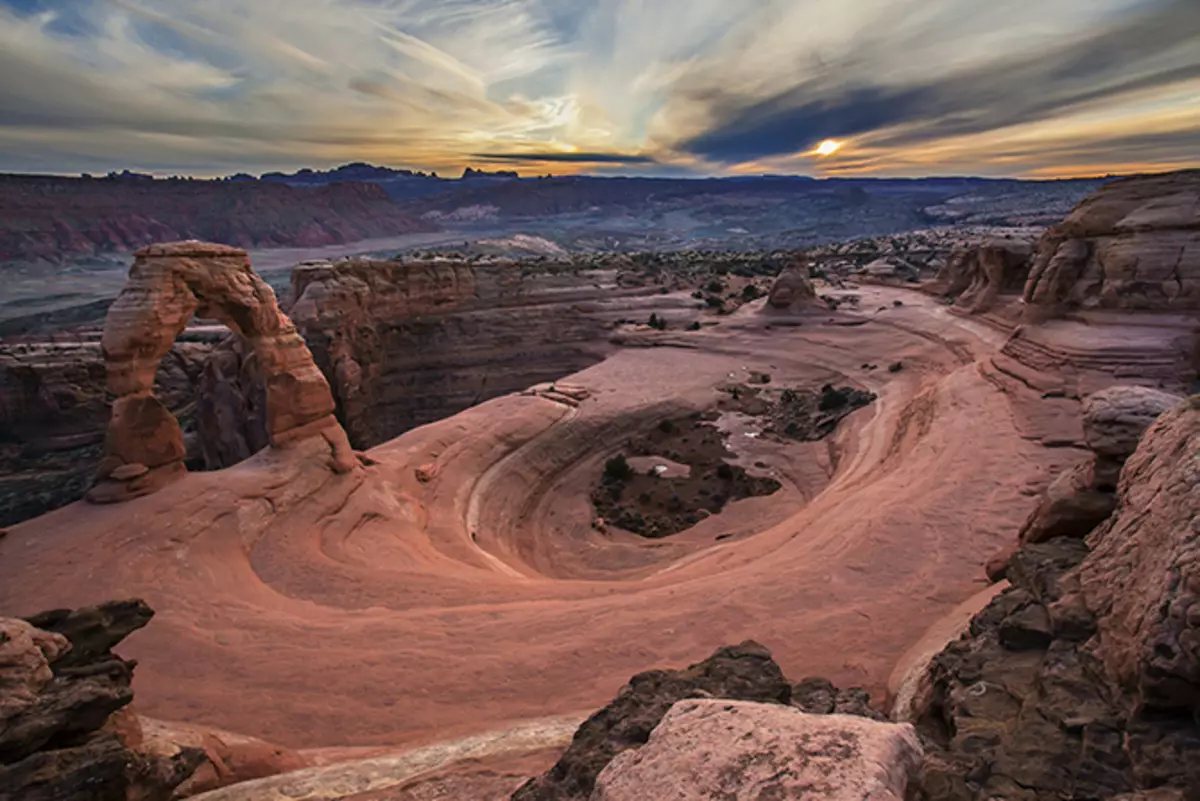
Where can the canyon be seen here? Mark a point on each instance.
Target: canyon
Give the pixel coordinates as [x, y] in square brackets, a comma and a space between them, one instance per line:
[427, 604]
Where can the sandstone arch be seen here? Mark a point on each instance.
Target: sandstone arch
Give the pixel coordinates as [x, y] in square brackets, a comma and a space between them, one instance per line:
[168, 285]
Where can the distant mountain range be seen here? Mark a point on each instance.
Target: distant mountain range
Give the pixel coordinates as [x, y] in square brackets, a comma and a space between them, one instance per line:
[52, 218]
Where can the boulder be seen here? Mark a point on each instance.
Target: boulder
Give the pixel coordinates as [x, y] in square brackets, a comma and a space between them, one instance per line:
[168, 285]
[1114, 419]
[792, 289]
[739, 751]
[1083, 679]
[743, 672]
[1142, 581]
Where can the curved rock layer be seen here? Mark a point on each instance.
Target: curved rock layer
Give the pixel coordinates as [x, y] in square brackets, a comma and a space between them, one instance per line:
[168, 286]
[1135, 244]
[458, 585]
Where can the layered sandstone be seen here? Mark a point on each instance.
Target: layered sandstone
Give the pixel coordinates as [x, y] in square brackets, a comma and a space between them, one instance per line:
[405, 343]
[168, 286]
[1142, 579]
[1134, 244]
[974, 276]
[63, 697]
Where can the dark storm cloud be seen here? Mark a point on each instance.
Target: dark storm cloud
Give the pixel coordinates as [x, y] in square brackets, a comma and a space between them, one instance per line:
[1154, 48]
[565, 158]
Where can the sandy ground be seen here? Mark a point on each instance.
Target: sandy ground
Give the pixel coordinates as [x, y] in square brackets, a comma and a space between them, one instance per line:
[375, 610]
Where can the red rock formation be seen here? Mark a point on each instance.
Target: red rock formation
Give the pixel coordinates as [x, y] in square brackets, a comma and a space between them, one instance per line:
[48, 217]
[792, 289]
[976, 278]
[63, 733]
[405, 343]
[1077, 501]
[169, 285]
[1142, 579]
[1135, 244]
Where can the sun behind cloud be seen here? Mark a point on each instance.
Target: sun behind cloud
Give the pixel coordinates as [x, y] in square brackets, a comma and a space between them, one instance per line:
[828, 147]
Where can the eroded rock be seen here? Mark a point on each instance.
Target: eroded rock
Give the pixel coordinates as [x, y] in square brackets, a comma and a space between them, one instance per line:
[1131, 245]
[1081, 681]
[739, 751]
[60, 692]
[169, 285]
[1142, 581]
[1082, 498]
[792, 289]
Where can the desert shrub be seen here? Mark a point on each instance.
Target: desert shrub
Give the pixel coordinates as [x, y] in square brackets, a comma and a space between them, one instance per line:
[695, 326]
[715, 286]
[751, 292]
[618, 469]
[724, 472]
[657, 322]
[714, 302]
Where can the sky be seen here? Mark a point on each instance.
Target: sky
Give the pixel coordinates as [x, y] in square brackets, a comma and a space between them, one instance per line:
[1028, 88]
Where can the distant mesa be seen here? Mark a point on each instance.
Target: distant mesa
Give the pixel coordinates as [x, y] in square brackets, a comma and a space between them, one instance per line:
[469, 173]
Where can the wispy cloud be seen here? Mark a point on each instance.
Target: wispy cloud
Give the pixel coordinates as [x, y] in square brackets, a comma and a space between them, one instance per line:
[1023, 86]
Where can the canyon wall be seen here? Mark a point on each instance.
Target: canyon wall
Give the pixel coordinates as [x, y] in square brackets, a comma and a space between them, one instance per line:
[407, 343]
[49, 217]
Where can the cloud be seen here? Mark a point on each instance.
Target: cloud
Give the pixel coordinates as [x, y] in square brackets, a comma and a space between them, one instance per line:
[670, 86]
[1158, 46]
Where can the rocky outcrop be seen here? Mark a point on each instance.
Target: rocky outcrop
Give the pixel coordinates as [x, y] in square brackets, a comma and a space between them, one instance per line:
[169, 285]
[51, 217]
[1080, 499]
[743, 672]
[1142, 579]
[739, 751]
[1080, 681]
[405, 343]
[974, 276]
[792, 289]
[53, 411]
[61, 732]
[1134, 244]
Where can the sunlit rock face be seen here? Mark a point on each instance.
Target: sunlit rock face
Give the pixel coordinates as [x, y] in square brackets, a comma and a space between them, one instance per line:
[1135, 244]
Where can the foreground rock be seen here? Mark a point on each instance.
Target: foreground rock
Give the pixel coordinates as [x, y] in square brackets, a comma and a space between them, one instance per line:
[61, 735]
[1142, 579]
[743, 672]
[1081, 680]
[1076, 502]
[169, 285]
[1131, 245]
[741, 751]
